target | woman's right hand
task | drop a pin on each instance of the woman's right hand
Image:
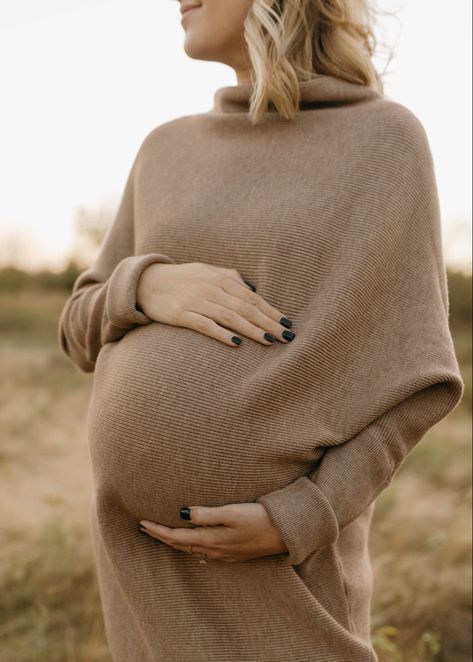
(202, 297)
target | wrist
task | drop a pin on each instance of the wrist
(146, 283)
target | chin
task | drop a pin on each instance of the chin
(197, 48)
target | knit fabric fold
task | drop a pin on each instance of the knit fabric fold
(334, 218)
(394, 312)
(102, 306)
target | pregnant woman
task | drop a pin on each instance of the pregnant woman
(267, 323)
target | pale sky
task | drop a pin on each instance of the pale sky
(83, 82)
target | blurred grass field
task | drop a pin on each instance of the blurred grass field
(49, 602)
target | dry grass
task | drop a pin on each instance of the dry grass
(49, 602)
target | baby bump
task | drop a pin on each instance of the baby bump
(165, 432)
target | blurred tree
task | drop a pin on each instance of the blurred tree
(90, 225)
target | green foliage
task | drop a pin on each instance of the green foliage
(15, 280)
(460, 292)
(49, 603)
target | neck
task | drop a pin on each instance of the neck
(243, 76)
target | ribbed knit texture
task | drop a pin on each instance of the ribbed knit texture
(334, 218)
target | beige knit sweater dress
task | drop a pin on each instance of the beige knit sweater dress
(334, 218)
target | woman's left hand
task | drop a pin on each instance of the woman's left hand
(233, 532)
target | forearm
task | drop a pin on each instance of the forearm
(311, 511)
(102, 311)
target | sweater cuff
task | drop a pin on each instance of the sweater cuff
(303, 515)
(121, 294)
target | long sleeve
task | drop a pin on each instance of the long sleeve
(393, 326)
(102, 305)
(311, 511)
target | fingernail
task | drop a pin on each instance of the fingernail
(285, 322)
(236, 340)
(288, 335)
(250, 285)
(269, 336)
(185, 512)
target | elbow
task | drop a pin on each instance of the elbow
(83, 364)
(446, 395)
(75, 352)
(424, 409)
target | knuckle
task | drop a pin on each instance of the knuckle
(175, 310)
(202, 324)
(251, 297)
(227, 317)
(247, 311)
(218, 277)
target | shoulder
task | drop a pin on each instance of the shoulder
(167, 133)
(163, 140)
(159, 142)
(398, 114)
(394, 137)
(398, 124)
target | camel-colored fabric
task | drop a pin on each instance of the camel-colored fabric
(334, 218)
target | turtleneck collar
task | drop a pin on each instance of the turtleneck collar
(320, 90)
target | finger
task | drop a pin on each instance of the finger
(242, 292)
(208, 327)
(243, 318)
(236, 276)
(212, 516)
(199, 535)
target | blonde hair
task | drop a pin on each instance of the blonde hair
(289, 41)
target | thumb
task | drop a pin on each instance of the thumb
(205, 516)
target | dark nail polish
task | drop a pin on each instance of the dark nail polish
(269, 336)
(285, 322)
(288, 335)
(250, 285)
(185, 512)
(236, 340)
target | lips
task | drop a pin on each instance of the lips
(187, 7)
